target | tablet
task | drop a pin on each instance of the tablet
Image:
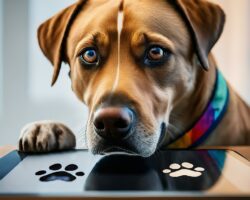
(165, 174)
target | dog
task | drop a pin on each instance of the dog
(146, 72)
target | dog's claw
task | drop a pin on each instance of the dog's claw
(46, 136)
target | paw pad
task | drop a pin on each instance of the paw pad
(183, 169)
(58, 174)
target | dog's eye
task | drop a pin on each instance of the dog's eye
(89, 57)
(156, 55)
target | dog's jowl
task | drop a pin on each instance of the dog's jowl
(146, 72)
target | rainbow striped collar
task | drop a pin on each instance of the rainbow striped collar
(210, 118)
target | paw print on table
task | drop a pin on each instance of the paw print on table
(64, 175)
(183, 169)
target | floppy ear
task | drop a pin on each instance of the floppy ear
(205, 21)
(52, 36)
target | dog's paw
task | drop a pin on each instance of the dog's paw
(46, 136)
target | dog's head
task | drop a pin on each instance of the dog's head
(131, 62)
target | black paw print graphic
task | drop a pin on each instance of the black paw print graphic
(64, 175)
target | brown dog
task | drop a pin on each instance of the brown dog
(146, 72)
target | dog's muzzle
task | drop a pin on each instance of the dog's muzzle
(117, 129)
(113, 123)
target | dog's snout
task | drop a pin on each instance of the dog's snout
(113, 122)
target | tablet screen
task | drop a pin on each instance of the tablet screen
(79, 172)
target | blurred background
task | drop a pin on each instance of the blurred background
(25, 74)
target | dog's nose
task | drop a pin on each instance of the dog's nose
(113, 122)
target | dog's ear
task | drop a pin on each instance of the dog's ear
(205, 21)
(52, 36)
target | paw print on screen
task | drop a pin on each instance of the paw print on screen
(183, 169)
(57, 173)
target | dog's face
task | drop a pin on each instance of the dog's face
(131, 62)
(154, 67)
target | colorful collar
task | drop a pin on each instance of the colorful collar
(211, 117)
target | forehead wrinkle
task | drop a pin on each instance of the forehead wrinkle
(97, 16)
(159, 17)
(92, 39)
(152, 37)
(141, 39)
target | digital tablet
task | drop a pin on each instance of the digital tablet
(169, 173)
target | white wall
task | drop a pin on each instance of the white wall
(233, 49)
(39, 66)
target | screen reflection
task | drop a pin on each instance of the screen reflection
(200, 170)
